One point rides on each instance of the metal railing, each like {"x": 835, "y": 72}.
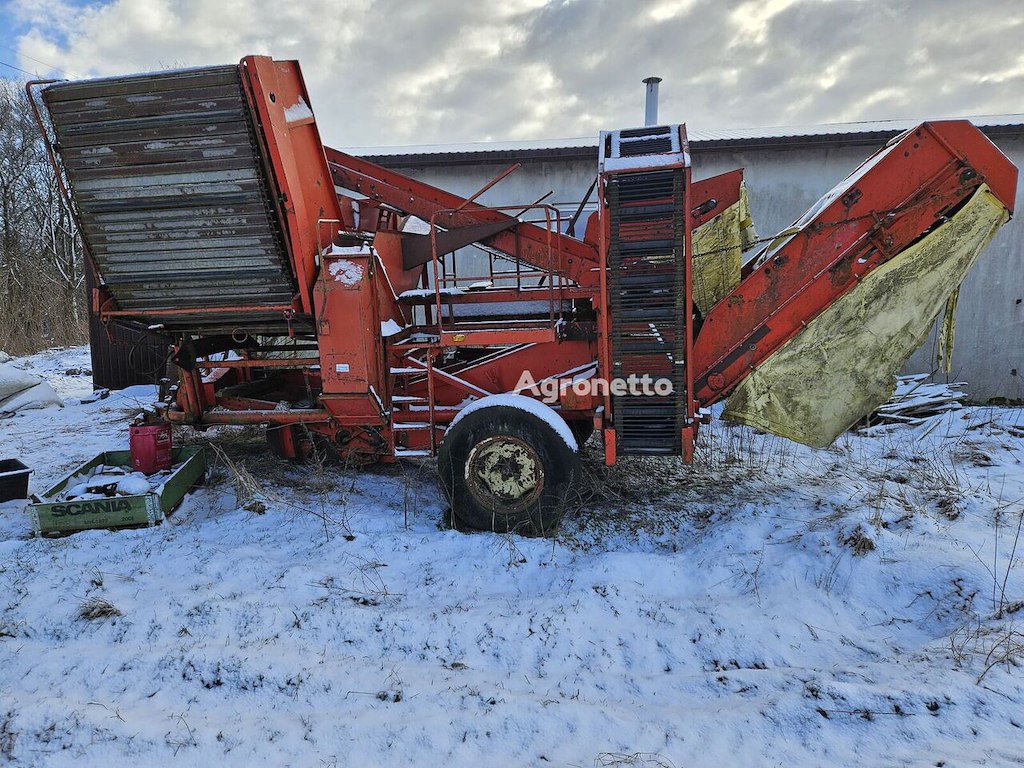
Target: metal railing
{"x": 448, "y": 283}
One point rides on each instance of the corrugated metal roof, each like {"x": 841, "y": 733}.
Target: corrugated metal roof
{"x": 698, "y": 136}
{"x": 840, "y": 129}
{"x": 473, "y": 147}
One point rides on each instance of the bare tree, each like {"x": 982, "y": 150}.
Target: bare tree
{"x": 42, "y": 299}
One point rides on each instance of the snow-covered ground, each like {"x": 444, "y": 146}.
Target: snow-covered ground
{"x": 770, "y": 605}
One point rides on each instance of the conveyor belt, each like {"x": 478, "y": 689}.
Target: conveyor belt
{"x": 647, "y": 294}
{"x": 171, "y": 195}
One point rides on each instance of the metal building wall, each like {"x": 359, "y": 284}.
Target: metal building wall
{"x": 783, "y": 182}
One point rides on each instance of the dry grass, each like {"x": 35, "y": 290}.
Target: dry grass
{"x": 993, "y": 646}
{"x": 97, "y": 608}
{"x": 242, "y": 457}
{"x": 8, "y": 736}
{"x": 619, "y": 759}
{"x": 858, "y": 541}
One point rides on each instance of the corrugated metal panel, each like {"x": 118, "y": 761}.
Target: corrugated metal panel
{"x": 131, "y": 357}
{"x": 171, "y": 195}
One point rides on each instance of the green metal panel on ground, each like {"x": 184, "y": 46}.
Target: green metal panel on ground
{"x": 49, "y": 516}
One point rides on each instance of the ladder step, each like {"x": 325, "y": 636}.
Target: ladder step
{"x": 646, "y": 146}
{"x": 416, "y": 340}
{"x": 637, "y": 187}
{"x": 408, "y": 453}
{"x": 653, "y": 314}
{"x": 654, "y": 347}
{"x": 635, "y": 279}
{"x": 646, "y": 450}
{"x": 628, "y": 134}
{"x": 662, "y": 412}
{"x": 646, "y": 212}
{"x": 408, "y": 370}
{"x": 634, "y": 246}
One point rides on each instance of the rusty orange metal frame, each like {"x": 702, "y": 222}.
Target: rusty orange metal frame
{"x": 358, "y": 374}
{"x": 424, "y": 200}
{"x": 295, "y": 157}
{"x": 283, "y": 308}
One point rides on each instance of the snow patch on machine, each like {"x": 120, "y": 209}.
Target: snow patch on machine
{"x": 420, "y": 293}
{"x": 299, "y": 111}
{"x": 534, "y": 407}
{"x": 390, "y": 328}
{"x": 345, "y": 272}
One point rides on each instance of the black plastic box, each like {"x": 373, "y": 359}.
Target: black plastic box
{"x": 13, "y": 480}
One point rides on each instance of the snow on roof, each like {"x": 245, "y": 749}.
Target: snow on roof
{"x": 579, "y": 142}
{"x": 767, "y": 134}
{"x": 839, "y": 129}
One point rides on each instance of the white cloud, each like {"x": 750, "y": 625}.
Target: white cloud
{"x": 753, "y": 17}
{"x": 388, "y": 71}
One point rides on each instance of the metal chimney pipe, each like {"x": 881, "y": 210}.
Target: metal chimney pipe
{"x": 651, "y": 105}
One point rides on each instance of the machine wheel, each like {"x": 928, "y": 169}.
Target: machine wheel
{"x": 507, "y": 470}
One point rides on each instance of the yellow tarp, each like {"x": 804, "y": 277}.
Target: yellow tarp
{"x": 717, "y": 249}
{"x": 843, "y": 365}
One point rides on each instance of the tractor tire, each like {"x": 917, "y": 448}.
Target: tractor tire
{"x": 506, "y": 470}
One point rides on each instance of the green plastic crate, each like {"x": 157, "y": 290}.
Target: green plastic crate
{"x": 50, "y": 516}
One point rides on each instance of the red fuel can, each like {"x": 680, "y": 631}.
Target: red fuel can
{"x": 150, "y": 447}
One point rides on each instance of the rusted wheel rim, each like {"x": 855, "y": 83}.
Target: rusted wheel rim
{"x": 504, "y": 474}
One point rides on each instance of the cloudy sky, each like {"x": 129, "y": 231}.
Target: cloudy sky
{"x": 438, "y": 71}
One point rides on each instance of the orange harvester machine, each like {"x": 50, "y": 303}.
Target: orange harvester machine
{"x": 316, "y": 293}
